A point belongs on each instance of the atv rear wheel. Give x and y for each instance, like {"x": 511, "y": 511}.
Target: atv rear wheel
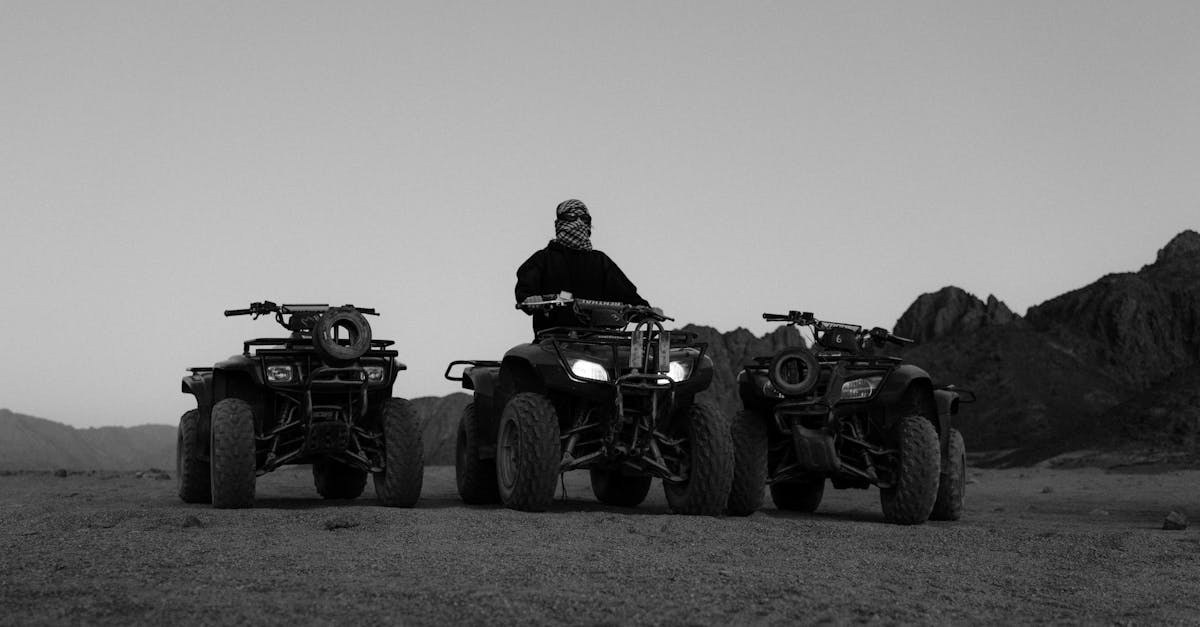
{"x": 749, "y": 432}
{"x": 708, "y": 460}
{"x": 910, "y": 500}
{"x": 192, "y": 474}
{"x": 232, "y": 458}
{"x": 798, "y": 496}
{"x": 613, "y": 488}
{"x": 399, "y": 483}
{"x": 335, "y": 480}
{"x": 476, "y": 478}
{"x": 528, "y": 453}
{"x": 952, "y": 484}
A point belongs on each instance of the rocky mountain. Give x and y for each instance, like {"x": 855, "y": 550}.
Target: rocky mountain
{"x": 1113, "y": 364}
{"x": 951, "y": 310}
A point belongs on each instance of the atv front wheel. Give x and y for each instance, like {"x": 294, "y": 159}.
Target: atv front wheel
{"x": 910, "y": 499}
{"x": 192, "y": 474}
{"x": 749, "y": 432}
{"x": 798, "y": 496}
{"x": 476, "y": 478}
{"x": 335, "y": 480}
{"x": 528, "y": 453}
{"x": 953, "y": 481}
{"x": 708, "y": 461}
{"x": 399, "y": 484}
{"x": 613, "y": 488}
{"x": 232, "y": 459}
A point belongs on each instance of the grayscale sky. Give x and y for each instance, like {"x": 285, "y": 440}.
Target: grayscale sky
{"x": 163, "y": 161}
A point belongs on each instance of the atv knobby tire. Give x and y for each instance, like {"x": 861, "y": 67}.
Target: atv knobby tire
{"x": 192, "y": 474}
{"x": 357, "y": 328}
{"x": 708, "y": 460}
{"x": 399, "y": 483}
{"x": 952, "y": 486}
{"x": 232, "y": 457}
{"x": 749, "y": 432}
{"x": 476, "y": 478}
{"x": 910, "y": 500}
{"x": 335, "y": 480}
{"x": 798, "y": 496}
{"x": 613, "y": 488}
{"x": 528, "y": 453}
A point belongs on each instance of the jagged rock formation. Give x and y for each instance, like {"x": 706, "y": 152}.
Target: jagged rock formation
{"x": 951, "y": 310}
{"x": 1093, "y": 367}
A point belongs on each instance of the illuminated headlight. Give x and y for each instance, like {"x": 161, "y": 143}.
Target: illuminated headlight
{"x": 280, "y": 374}
{"x": 375, "y": 373}
{"x": 679, "y": 370}
{"x": 860, "y": 388}
{"x": 585, "y": 369}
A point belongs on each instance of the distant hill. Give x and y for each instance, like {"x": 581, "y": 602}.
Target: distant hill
{"x": 28, "y": 443}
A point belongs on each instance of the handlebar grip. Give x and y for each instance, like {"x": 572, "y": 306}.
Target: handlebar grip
{"x": 896, "y": 339}
{"x": 776, "y": 317}
{"x": 238, "y": 312}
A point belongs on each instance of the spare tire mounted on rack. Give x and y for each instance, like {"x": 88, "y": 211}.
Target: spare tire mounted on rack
{"x": 794, "y": 371}
{"x": 338, "y": 325}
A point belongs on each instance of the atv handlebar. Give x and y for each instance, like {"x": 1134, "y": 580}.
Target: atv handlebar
{"x": 631, "y": 313}
{"x": 268, "y": 307}
{"x": 878, "y": 335}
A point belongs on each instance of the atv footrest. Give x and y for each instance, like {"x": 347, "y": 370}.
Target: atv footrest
{"x": 327, "y": 436}
{"x": 815, "y": 450}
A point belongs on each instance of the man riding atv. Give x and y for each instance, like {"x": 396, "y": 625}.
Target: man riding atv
{"x": 603, "y": 387}
{"x": 570, "y": 264}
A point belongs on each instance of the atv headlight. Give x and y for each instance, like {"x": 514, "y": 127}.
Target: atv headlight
{"x": 858, "y": 389}
{"x": 375, "y": 373}
{"x": 280, "y": 374}
{"x": 585, "y": 369}
{"x": 679, "y": 370}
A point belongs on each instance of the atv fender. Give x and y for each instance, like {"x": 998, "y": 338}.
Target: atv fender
{"x": 947, "y": 408}
{"x": 910, "y": 384}
{"x": 200, "y": 385}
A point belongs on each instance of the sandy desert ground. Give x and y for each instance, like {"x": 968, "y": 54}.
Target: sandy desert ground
{"x": 1079, "y": 546}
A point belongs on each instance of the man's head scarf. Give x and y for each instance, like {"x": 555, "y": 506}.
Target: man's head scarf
{"x": 572, "y": 225}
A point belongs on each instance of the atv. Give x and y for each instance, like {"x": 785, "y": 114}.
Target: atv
{"x": 321, "y": 396}
{"x": 842, "y": 413}
{"x": 600, "y": 396}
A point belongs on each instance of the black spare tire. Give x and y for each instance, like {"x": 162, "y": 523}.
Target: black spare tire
{"x": 338, "y": 325}
{"x": 794, "y": 371}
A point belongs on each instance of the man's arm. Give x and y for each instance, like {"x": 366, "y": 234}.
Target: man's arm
{"x": 619, "y": 287}
{"x": 529, "y": 277}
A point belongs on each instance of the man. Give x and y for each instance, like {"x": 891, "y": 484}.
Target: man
{"x": 570, "y": 264}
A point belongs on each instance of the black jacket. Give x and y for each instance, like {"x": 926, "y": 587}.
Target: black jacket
{"x": 584, "y": 273}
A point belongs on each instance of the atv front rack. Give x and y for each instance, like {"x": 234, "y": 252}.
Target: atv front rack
{"x": 304, "y": 343}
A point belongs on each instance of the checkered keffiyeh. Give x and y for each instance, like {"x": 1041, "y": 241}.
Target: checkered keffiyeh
{"x": 570, "y": 229}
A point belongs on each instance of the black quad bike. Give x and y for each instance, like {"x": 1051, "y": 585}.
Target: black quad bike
{"x": 838, "y": 412}
{"x": 600, "y": 396}
{"x": 321, "y": 396}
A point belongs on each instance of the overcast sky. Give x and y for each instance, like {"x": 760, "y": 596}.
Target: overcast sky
{"x": 163, "y": 161}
